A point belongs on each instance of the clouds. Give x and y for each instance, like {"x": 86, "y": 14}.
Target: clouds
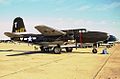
{"x": 4, "y": 1}
{"x": 10, "y": 1}
{"x": 83, "y": 8}
{"x": 109, "y": 26}
{"x": 15, "y": 1}
{"x": 1, "y": 1}
{"x": 109, "y": 6}
{"x": 68, "y": 23}
{"x": 91, "y": 14}
{"x": 75, "y": 23}
{"x": 76, "y": 5}
{"x": 100, "y": 7}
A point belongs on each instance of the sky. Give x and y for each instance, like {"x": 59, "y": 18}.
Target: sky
{"x": 94, "y": 15}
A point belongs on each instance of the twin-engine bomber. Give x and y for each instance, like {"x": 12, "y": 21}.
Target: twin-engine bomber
{"x": 55, "y": 40}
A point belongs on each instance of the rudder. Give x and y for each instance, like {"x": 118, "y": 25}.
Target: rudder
{"x": 18, "y": 25}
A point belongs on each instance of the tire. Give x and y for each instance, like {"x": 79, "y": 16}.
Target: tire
{"x": 46, "y": 50}
{"x": 94, "y": 51}
{"x": 69, "y": 49}
{"x": 57, "y": 50}
{"x": 43, "y": 49}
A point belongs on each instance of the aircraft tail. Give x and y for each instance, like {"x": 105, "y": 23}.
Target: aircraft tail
{"x": 18, "y": 25}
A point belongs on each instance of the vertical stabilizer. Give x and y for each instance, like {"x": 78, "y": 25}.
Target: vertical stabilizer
{"x": 18, "y": 25}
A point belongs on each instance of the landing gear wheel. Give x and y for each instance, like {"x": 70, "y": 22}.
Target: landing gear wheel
{"x": 68, "y": 49}
{"x": 57, "y": 50}
{"x": 94, "y": 51}
{"x": 43, "y": 49}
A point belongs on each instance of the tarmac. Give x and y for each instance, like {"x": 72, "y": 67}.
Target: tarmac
{"x": 20, "y": 61}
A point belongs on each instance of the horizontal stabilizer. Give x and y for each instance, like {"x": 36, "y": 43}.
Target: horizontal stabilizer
{"x": 12, "y": 35}
{"x": 48, "y": 31}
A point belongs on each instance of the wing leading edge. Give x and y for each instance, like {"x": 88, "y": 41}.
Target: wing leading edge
{"x": 48, "y": 31}
{"x": 12, "y": 35}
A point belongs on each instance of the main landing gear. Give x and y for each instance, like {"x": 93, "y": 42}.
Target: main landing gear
{"x": 56, "y": 49}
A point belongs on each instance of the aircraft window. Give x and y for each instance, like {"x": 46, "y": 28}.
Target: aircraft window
{"x": 82, "y": 31}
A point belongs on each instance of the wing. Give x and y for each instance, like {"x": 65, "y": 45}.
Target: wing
{"x": 21, "y": 35}
{"x": 12, "y": 35}
{"x": 48, "y": 31}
